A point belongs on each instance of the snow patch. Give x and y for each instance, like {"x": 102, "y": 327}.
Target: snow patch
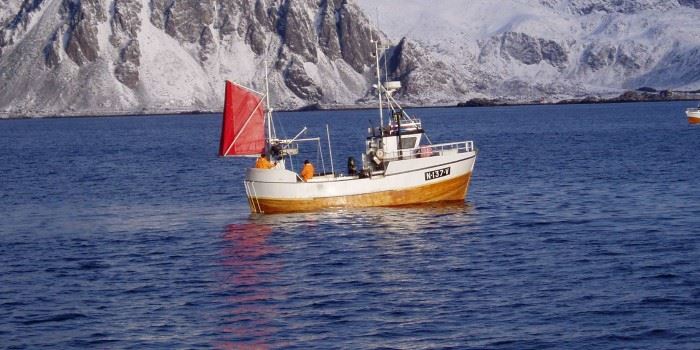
{"x": 170, "y": 76}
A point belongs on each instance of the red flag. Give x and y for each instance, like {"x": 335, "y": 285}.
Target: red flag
{"x": 243, "y": 127}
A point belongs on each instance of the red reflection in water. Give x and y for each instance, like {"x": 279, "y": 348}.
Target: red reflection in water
{"x": 249, "y": 322}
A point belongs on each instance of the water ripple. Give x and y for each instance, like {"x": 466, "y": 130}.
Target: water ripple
{"x": 143, "y": 240}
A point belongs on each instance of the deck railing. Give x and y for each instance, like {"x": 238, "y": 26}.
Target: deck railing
{"x": 426, "y": 151}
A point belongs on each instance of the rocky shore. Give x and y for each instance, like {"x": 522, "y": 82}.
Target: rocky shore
{"x": 640, "y": 95}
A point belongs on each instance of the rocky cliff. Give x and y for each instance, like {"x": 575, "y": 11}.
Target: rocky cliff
{"x": 547, "y": 50}
{"x": 96, "y": 57}
{"x": 66, "y": 57}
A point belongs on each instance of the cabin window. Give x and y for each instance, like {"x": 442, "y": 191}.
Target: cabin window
{"x": 408, "y": 142}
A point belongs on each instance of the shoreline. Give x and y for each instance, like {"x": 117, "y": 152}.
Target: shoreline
{"x": 630, "y": 96}
{"x": 627, "y": 97}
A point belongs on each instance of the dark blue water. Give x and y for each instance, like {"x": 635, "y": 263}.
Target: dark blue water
{"x": 581, "y": 230}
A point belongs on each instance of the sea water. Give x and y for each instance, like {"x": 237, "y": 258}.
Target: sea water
{"x": 581, "y": 230}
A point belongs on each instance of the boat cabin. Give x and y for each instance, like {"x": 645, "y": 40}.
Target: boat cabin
{"x": 399, "y": 140}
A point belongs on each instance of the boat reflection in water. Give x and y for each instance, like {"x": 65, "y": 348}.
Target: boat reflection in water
{"x": 405, "y": 220}
{"x": 288, "y": 275}
{"x": 249, "y": 288}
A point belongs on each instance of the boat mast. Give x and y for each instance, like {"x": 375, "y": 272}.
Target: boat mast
{"x": 267, "y": 102}
{"x": 379, "y": 85}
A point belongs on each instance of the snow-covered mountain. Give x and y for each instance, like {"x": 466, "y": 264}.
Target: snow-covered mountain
{"x": 65, "y": 57}
{"x": 544, "y": 49}
{"x": 95, "y": 56}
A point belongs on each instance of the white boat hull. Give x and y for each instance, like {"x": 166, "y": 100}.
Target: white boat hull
{"x": 405, "y": 182}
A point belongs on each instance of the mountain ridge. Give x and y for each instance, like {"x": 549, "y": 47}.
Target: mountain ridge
{"x": 523, "y": 50}
{"x": 70, "y": 57}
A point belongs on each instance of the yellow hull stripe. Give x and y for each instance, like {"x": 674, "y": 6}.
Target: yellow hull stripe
{"x": 449, "y": 190}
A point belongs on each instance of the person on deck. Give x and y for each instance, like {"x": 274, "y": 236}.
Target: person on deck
{"x": 308, "y": 171}
{"x": 263, "y": 163}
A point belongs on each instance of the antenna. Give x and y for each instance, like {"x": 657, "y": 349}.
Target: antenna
{"x": 386, "y": 71}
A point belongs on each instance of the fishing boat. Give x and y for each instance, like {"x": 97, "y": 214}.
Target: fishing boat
{"x": 693, "y": 115}
{"x": 400, "y": 165}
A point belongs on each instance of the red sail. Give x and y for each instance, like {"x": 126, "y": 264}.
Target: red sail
{"x": 243, "y": 128}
